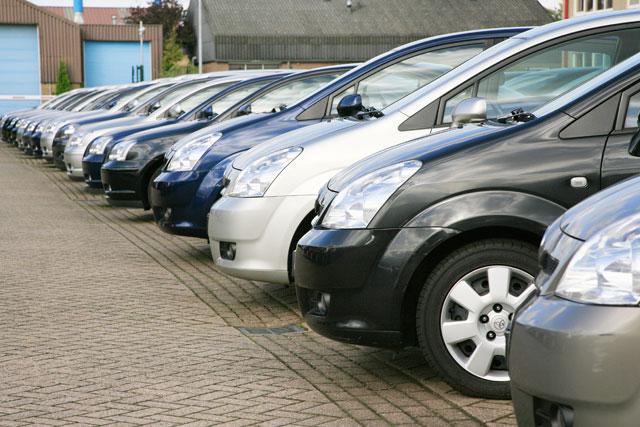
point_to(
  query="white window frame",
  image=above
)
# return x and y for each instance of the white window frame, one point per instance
(594, 8)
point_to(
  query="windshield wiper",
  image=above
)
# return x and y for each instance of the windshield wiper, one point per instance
(517, 115)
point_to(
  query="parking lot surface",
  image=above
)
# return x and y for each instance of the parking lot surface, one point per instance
(106, 320)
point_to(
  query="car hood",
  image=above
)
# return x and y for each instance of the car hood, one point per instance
(602, 209)
(108, 124)
(163, 131)
(423, 149)
(298, 137)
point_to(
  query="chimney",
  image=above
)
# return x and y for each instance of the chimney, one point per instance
(78, 9)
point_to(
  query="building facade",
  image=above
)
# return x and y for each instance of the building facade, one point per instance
(579, 7)
(33, 42)
(249, 34)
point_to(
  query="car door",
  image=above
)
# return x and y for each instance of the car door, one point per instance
(617, 162)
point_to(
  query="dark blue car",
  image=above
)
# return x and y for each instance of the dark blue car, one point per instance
(185, 191)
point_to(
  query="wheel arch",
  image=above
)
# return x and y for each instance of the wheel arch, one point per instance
(145, 175)
(474, 217)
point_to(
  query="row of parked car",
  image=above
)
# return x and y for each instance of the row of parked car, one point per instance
(405, 198)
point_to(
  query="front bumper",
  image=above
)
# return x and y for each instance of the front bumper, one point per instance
(181, 201)
(46, 145)
(261, 229)
(352, 284)
(91, 165)
(576, 360)
(121, 186)
(73, 162)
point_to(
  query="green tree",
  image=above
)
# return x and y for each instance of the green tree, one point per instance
(63, 83)
(171, 53)
(177, 34)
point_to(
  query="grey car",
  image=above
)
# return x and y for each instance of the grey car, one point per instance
(573, 351)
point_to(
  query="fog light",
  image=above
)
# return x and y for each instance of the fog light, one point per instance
(228, 250)
(322, 301)
(167, 214)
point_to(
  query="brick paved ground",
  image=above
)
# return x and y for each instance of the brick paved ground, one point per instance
(106, 320)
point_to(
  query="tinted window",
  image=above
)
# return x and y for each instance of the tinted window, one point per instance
(540, 77)
(396, 81)
(289, 94)
(633, 112)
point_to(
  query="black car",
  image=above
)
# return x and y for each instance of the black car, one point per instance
(434, 242)
(133, 163)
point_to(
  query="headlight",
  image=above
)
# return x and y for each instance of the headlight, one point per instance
(120, 151)
(357, 204)
(256, 178)
(188, 155)
(66, 132)
(606, 268)
(76, 140)
(98, 146)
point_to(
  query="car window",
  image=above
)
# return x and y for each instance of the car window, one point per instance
(540, 77)
(336, 99)
(195, 99)
(289, 93)
(143, 97)
(632, 118)
(226, 101)
(398, 80)
(452, 102)
(171, 96)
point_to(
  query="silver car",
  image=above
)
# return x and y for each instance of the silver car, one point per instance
(573, 353)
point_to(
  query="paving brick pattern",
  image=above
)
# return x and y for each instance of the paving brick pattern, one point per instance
(105, 320)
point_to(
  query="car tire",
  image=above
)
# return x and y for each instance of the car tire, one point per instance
(464, 310)
(153, 176)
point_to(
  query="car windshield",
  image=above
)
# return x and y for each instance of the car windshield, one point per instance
(194, 99)
(289, 93)
(78, 101)
(99, 102)
(402, 78)
(141, 99)
(228, 100)
(169, 97)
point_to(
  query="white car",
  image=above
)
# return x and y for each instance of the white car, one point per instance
(270, 190)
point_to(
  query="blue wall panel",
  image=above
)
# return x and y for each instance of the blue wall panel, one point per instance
(107, 63)
(19, 65)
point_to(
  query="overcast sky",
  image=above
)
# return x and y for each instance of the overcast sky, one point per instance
(128, 3)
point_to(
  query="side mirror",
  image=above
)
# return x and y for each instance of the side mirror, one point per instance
(206, 114)
(245, 110)
(175, 111)
(350, 105)
(153, 107)
(470, 110)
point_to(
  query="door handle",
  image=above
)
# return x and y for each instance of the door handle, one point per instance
(579, 182)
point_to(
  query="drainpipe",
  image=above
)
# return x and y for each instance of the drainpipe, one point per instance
(565, 10)
(78, 9)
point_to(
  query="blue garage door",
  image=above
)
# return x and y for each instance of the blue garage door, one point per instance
(19, 66)
(107, 63)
